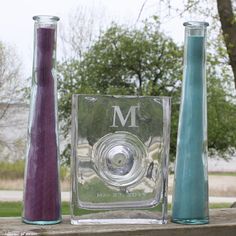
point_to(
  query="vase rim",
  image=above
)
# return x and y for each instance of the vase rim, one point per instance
(196, 23)
(49, 18)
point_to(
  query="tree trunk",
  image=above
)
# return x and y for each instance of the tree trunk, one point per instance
(228, 25)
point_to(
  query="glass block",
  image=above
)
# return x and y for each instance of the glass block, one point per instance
(119, 165)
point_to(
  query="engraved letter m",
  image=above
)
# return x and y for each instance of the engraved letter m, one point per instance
(131, 113)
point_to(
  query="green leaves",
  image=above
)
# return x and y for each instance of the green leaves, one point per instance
(221, 120)
(144, 61)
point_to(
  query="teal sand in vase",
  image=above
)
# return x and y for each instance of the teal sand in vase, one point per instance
(190, 195)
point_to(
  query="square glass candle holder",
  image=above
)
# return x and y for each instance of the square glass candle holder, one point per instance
(119, 165)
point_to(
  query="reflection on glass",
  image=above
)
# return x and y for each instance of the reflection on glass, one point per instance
(119, 159)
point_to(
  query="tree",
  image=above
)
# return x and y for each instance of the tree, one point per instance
(221, 119)
(137, 59)
(222, 18)
(124, 61)
(10, 67)
(144, 61)
(228, 25)
(77, 36)
(222, 53)
(10, 70)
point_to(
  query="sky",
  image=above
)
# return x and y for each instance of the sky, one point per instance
(17, 26)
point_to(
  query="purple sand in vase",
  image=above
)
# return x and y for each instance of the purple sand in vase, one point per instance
(42, 191)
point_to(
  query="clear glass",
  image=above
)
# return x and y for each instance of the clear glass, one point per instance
(119, 166)
(41, 187)
(190, 195)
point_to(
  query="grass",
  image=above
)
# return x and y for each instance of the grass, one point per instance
(14, 209)
(11, 209)
(219, 205)
(15, 170)
(12, 170)
(223, 173)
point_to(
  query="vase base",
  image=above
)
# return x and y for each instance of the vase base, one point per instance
(191, 221)
(42, 222)
(116, 221)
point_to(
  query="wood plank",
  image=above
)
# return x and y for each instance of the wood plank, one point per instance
(222, 222)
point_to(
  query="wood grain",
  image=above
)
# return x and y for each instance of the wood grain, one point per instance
(222, 222)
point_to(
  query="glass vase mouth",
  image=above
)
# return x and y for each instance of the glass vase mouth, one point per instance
(46, 18)
(196, 24)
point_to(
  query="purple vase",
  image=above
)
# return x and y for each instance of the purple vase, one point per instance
(42, 188)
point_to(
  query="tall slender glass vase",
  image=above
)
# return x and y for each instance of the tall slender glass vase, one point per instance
(42, 189)
(190, 195)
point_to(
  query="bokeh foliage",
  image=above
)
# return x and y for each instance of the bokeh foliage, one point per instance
(144, 61)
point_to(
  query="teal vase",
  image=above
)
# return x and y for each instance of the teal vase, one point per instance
(190, 194)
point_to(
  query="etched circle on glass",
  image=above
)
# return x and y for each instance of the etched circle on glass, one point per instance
(120, 158)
